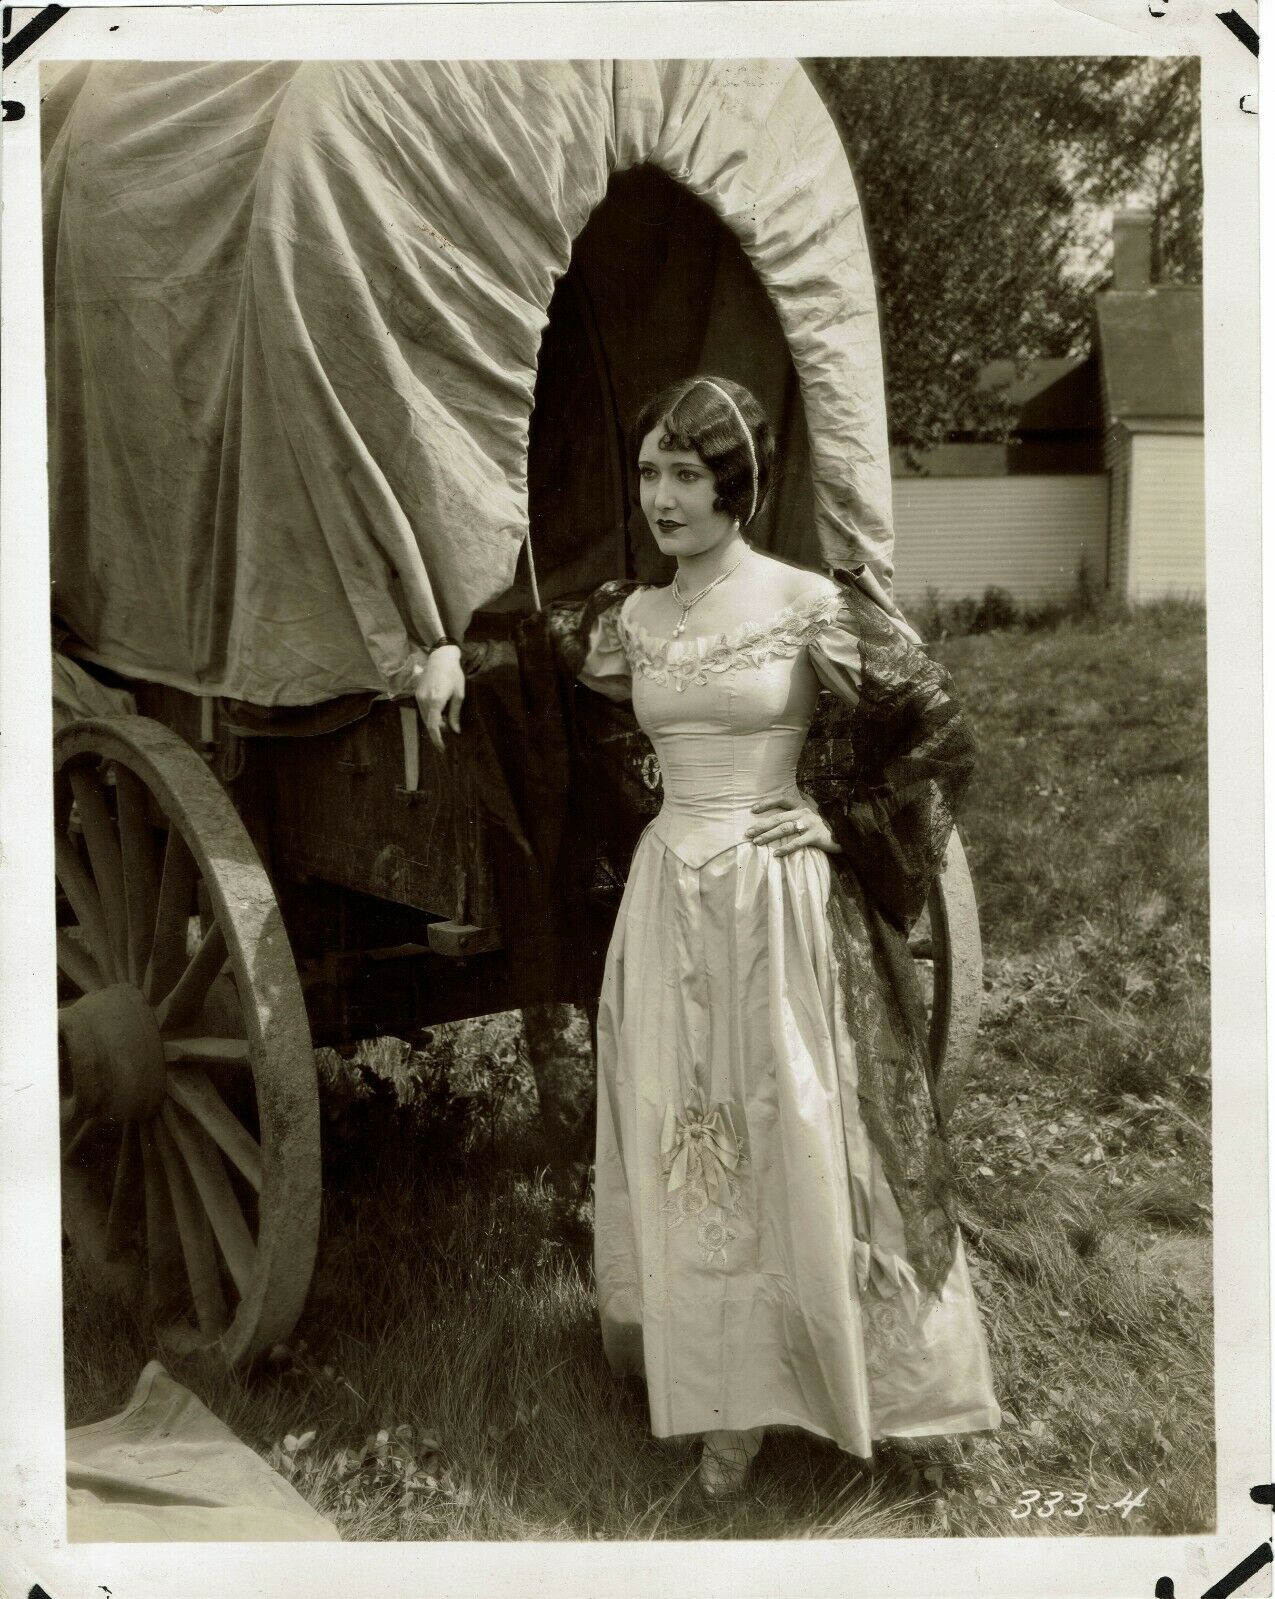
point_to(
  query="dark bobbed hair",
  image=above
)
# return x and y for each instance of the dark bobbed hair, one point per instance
(695, 415)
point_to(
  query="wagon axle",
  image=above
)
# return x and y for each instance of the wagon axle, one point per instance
(111, 1048)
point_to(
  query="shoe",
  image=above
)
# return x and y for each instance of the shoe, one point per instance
(725, 1460)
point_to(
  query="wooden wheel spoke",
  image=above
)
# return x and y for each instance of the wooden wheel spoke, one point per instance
(194, 1092)
(105, 859)
(172, 916)
(78, 887)
(207, 1051)
(72, 1145)
(204, 1163)
(212, 1202)
(75, 963)
(163, 1255)
(222, 1014)
(124, 1191)
(183, 1003)
(195, 1234)
(141, 868)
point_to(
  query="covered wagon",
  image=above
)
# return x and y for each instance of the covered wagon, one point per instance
(340, 358)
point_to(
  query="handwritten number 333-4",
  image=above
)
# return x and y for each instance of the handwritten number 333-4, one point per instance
(1046, 1505)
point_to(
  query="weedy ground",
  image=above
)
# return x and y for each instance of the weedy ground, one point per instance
(446, 1380)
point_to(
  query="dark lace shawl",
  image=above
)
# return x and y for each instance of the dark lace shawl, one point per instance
(888, 773)
(902, 757)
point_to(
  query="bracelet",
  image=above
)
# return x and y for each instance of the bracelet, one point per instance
(439, 642)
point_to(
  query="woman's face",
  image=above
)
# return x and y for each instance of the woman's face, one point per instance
(677, 492)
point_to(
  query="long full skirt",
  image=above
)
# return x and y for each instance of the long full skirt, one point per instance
(749, 1252)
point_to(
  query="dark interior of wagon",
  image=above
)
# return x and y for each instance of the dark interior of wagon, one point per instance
(658, 288)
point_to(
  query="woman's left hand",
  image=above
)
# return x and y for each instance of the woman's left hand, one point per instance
(794, 824)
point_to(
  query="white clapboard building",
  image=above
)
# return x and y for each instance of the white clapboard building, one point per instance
(1104, 471)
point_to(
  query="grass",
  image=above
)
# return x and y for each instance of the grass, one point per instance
(451, 1311)
(1082, 1129)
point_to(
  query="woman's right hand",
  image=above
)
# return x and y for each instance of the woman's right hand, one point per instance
(440, 689)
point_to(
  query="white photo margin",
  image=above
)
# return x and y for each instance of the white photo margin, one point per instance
(33, 1546)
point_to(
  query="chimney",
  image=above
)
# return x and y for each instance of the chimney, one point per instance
(1131, 258)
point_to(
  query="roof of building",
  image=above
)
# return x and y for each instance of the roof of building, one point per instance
(1042, 374)
(1058, 394)
(1151, 346)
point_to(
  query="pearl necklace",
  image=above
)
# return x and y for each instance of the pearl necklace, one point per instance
(696, 598)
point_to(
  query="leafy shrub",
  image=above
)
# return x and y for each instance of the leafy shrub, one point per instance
(421, 1105)
(998, 611)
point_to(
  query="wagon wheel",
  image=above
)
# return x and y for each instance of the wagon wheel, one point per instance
(955, 948)
(189, 1103)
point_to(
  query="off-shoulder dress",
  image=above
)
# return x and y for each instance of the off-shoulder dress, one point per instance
(749, 1253)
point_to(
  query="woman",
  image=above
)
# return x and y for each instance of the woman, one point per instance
(761, 1256)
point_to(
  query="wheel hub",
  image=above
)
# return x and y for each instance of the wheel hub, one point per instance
(110, 1044)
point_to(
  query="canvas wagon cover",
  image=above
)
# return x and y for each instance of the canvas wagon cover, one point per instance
(293, 320)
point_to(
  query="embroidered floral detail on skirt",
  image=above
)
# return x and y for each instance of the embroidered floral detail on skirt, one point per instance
(897, 1331)
(699, 1153)
(714, 1235)
(886, 1330)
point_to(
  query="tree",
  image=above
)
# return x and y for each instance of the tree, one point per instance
(1147, 148)
(980, 178)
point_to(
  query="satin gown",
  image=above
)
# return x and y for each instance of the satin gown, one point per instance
(749, 1255)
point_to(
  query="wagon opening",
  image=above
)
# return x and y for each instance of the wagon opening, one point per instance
(659, 287)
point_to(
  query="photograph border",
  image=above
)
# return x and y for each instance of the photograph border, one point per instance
(33, 1546)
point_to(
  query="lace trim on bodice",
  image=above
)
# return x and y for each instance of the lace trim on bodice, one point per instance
(683, 661)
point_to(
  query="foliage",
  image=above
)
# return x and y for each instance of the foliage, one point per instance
(427, 1104)
(448, 1362)
(998, 611)
(978, 178)
(1146, 147)
(407, 1459)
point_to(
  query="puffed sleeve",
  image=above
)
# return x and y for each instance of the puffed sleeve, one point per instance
(835, 653)
(605, 667)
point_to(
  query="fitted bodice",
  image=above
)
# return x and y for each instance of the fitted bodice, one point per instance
(728, 730)
(728, 714)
